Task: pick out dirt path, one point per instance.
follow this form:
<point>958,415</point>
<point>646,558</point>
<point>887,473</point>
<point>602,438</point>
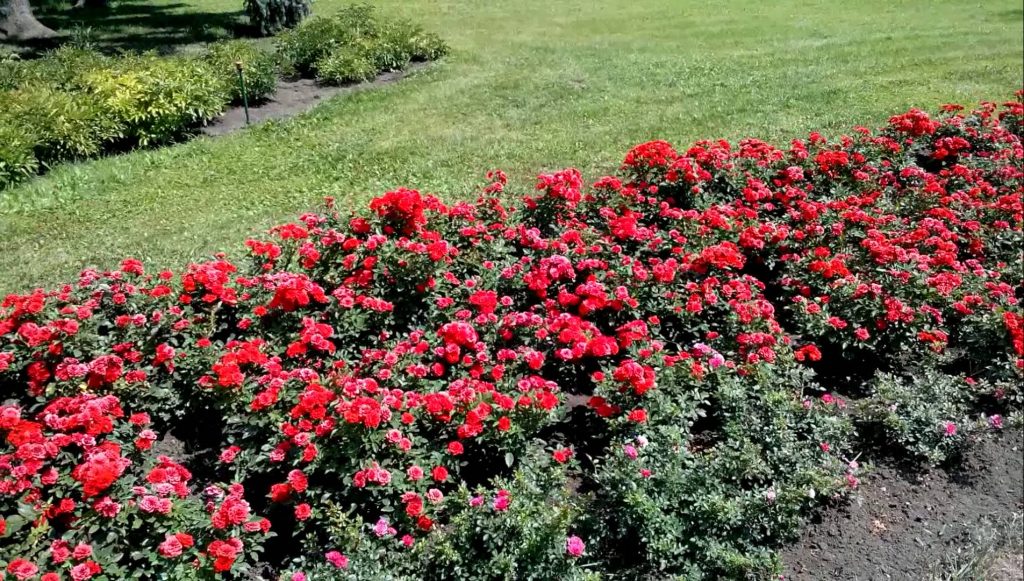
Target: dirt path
<point>901,527</point>
<point>294,97</point>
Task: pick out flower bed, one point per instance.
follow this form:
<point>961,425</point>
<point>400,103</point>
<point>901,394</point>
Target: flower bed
<point>658,374</point>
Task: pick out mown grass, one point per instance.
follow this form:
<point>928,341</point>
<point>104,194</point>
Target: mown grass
<point>990,550</point>
<point>531,85</point>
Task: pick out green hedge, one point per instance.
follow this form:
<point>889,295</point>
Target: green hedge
<point>61,68</point>
<point>60,125</point>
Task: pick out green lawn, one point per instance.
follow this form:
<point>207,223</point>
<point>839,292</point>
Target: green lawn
<point>531,85</point>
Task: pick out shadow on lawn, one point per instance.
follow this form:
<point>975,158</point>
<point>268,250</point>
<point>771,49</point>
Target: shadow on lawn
<point>134,25</point>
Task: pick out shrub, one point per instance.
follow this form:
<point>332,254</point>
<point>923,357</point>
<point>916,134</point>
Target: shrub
<point>385,54</point>
<point>269,17</point>
<point>259,66</point>
<point>158,99</point>
<point>425,46</point>
<point>17,155</point>
<point>303,46</point>
<point>345,65</point>
<point>10,72</point>
<point>74,103</point>
<point>752,478</point>
<point>525,540</point>
<point>401,41</point>
<point>617,378</point>
<point>64,66</point>
<point>337,49</point>
<point>60,68</point>
<point>925,414</point>
<point>63,126</point>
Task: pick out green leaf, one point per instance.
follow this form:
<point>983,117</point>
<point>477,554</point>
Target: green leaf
<point>26,511</point>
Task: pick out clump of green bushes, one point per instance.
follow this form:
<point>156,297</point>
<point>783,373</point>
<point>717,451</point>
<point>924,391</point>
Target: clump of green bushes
<point>155,99</point>
<point>259,65</point>
<point>924,414</point>
<point>355,45</point>
<point>17,159</point>
<point>76,103</point>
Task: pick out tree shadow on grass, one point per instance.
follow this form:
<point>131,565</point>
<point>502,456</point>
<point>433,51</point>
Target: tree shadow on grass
<point>135,25</point>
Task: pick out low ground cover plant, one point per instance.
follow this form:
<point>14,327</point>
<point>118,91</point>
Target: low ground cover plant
<point>657,374</point>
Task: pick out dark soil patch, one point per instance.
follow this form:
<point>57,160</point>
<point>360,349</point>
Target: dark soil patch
<point>901,525</point>
<point>293,97</point>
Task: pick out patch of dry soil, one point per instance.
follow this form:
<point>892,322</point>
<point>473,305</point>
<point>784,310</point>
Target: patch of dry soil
<point>294,97</point>
<point>900,526</point>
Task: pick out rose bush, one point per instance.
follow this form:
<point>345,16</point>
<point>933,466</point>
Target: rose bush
<point>658,374</point>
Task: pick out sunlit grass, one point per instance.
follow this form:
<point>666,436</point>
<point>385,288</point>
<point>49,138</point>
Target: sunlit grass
<point>531,85</point>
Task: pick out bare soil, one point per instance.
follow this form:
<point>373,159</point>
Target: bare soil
<point>294,97</point>
<point>901,524</point>
<point>1009,567</point>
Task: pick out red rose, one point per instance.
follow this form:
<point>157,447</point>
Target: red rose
<point>280,492</point>
<point>439,473</point>
<point>562,455</point>
<point>22,569</point>
<point>638,415</point>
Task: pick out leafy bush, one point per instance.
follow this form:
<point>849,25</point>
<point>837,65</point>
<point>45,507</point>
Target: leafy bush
<point>157,99</point>
<point>269,17</point>
<point>337,49</point>
<point>387,52</point>
<point>63,126</point>
<point>259,66</point>
<point>60,68</point>
<point>617,378</point>
<point>74,103</point>
<point>925,413</point>
<point>752,487</point>
<point>17,154</point>
<point>304,45</point>
<point>345,65</point>
<point>425,46</point>
<point>527,539</point>
<point>46,115</point>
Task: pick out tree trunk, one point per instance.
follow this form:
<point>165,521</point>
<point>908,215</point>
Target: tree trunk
<point>18,23</point>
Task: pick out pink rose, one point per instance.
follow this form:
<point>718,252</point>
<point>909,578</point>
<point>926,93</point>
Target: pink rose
<point>574,546</point>
<point>337,559</point>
